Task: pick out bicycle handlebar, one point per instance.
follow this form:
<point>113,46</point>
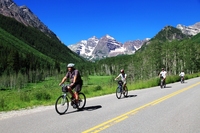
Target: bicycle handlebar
<point>64,87</point>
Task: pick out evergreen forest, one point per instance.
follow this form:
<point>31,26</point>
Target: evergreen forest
<point>28,55</point>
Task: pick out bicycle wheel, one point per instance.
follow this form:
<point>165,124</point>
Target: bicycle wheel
<point>62,104</point>
<point>82,100</point>
<point>125,93</point>
<point>161,83</point>
<point>118,92</point>
<point>182,81</point>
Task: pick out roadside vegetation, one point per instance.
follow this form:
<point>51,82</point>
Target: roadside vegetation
<point>33,63</point>
<point>46,92</point>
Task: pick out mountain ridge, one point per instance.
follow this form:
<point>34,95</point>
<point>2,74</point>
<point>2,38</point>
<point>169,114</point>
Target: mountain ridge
<point>24,15</point>
<point>34,36</point>
<point>107,46</point>
<point>92,48</point>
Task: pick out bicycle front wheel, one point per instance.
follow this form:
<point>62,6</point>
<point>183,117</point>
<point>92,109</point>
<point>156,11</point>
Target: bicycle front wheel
<point>118,92</point>
<point>82,100</point>
<point>161,84</point>
<point>62,104</point>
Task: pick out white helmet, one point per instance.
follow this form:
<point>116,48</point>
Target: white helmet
<point>70,65</point>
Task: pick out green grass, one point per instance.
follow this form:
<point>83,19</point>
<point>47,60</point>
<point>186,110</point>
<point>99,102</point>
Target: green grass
<point>46,93</point>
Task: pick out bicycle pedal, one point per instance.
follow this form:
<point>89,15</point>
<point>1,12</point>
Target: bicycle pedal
<point>74,106</point>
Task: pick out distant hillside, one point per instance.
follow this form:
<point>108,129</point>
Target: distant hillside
<point>169,49</point>
<point>23,15</point>
<point>29,51</point>
<point>167,34</point>
<point>51,47</point>
<point>170,33</point>
<point>29,55</point>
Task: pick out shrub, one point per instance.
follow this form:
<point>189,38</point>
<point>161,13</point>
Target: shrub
<point>2,104</point>
<point>98,88</point>
<point>42,95</point>
<point>24,96</point>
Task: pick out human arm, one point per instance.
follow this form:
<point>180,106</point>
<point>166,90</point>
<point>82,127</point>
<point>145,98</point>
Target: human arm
<point>63,80</point>
<point>159,74</point>
<point>117,77</point>
<point>74,80</point>
<point>76,77</point>
<point>125,76</point>
<point>180,74</point>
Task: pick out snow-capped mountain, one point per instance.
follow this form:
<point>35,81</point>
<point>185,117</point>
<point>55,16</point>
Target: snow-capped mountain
<point>189,30</point>
<point>85,48</point>
<point>106,46</point>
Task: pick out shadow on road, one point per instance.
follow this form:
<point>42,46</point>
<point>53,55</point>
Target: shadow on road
<point>89,108</point>
<point>167,87</point>
<point>184,82</point>
<point>130,96</point>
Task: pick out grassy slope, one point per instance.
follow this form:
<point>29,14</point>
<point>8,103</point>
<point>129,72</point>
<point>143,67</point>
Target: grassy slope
<point>46,93</point>
<point>11,41</point>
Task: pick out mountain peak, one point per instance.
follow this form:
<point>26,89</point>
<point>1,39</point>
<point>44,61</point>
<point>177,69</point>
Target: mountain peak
<point>109,37</point>
<point>23,15</point>
<point>169,33</point>
<point>106,46</point>
<point>189,30</point>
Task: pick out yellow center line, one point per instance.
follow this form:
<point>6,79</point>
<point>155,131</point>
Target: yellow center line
<point>115,120</point>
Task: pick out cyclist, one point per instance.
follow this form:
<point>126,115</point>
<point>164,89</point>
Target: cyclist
<point>163,75</point>
<point>182,74</point>
<point>123,76</point>
<point>75,81</point>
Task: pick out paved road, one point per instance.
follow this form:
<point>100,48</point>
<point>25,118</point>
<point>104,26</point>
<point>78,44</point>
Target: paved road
<point>174,109</point>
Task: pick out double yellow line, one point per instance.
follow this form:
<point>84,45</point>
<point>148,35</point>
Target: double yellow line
<point>115,120</point>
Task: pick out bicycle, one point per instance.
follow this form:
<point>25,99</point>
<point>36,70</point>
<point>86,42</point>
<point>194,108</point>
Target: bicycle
<point>62,102</point>
<point>162,82</point>
<point>120,91</point>
<point>182,79</point>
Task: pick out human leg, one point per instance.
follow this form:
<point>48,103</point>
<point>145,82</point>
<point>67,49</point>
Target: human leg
<point>77,89</point>
<point>70,91</point>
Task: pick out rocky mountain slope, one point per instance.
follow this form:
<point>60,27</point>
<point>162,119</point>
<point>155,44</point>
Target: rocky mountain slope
<point>106,46</point>
<point>93,48</point>
<point>24,15</point>
<point>190,30</point>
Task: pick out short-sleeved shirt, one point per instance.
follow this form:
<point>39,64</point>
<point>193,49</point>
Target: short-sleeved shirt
<point>182,74</point>
<point>123,76</point>
<point>163,74</point>
<point>72,74</point>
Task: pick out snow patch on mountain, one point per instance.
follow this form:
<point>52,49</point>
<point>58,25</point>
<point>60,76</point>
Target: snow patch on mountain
<point>189,30</point>
<point>106,46</point>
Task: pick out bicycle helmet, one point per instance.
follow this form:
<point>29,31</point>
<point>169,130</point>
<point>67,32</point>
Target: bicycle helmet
<point>70,65</point>
<point>122,71</point>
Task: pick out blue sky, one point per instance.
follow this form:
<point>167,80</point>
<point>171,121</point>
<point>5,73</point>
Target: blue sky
<point>125,20</point>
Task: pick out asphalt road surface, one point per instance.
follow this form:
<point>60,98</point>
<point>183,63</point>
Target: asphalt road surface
<point>174,109</point>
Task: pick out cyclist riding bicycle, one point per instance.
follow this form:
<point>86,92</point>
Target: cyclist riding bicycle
<point>163,74</point>
<point>123,76</point>
<point>75,81</point>
<point>182,74</point>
